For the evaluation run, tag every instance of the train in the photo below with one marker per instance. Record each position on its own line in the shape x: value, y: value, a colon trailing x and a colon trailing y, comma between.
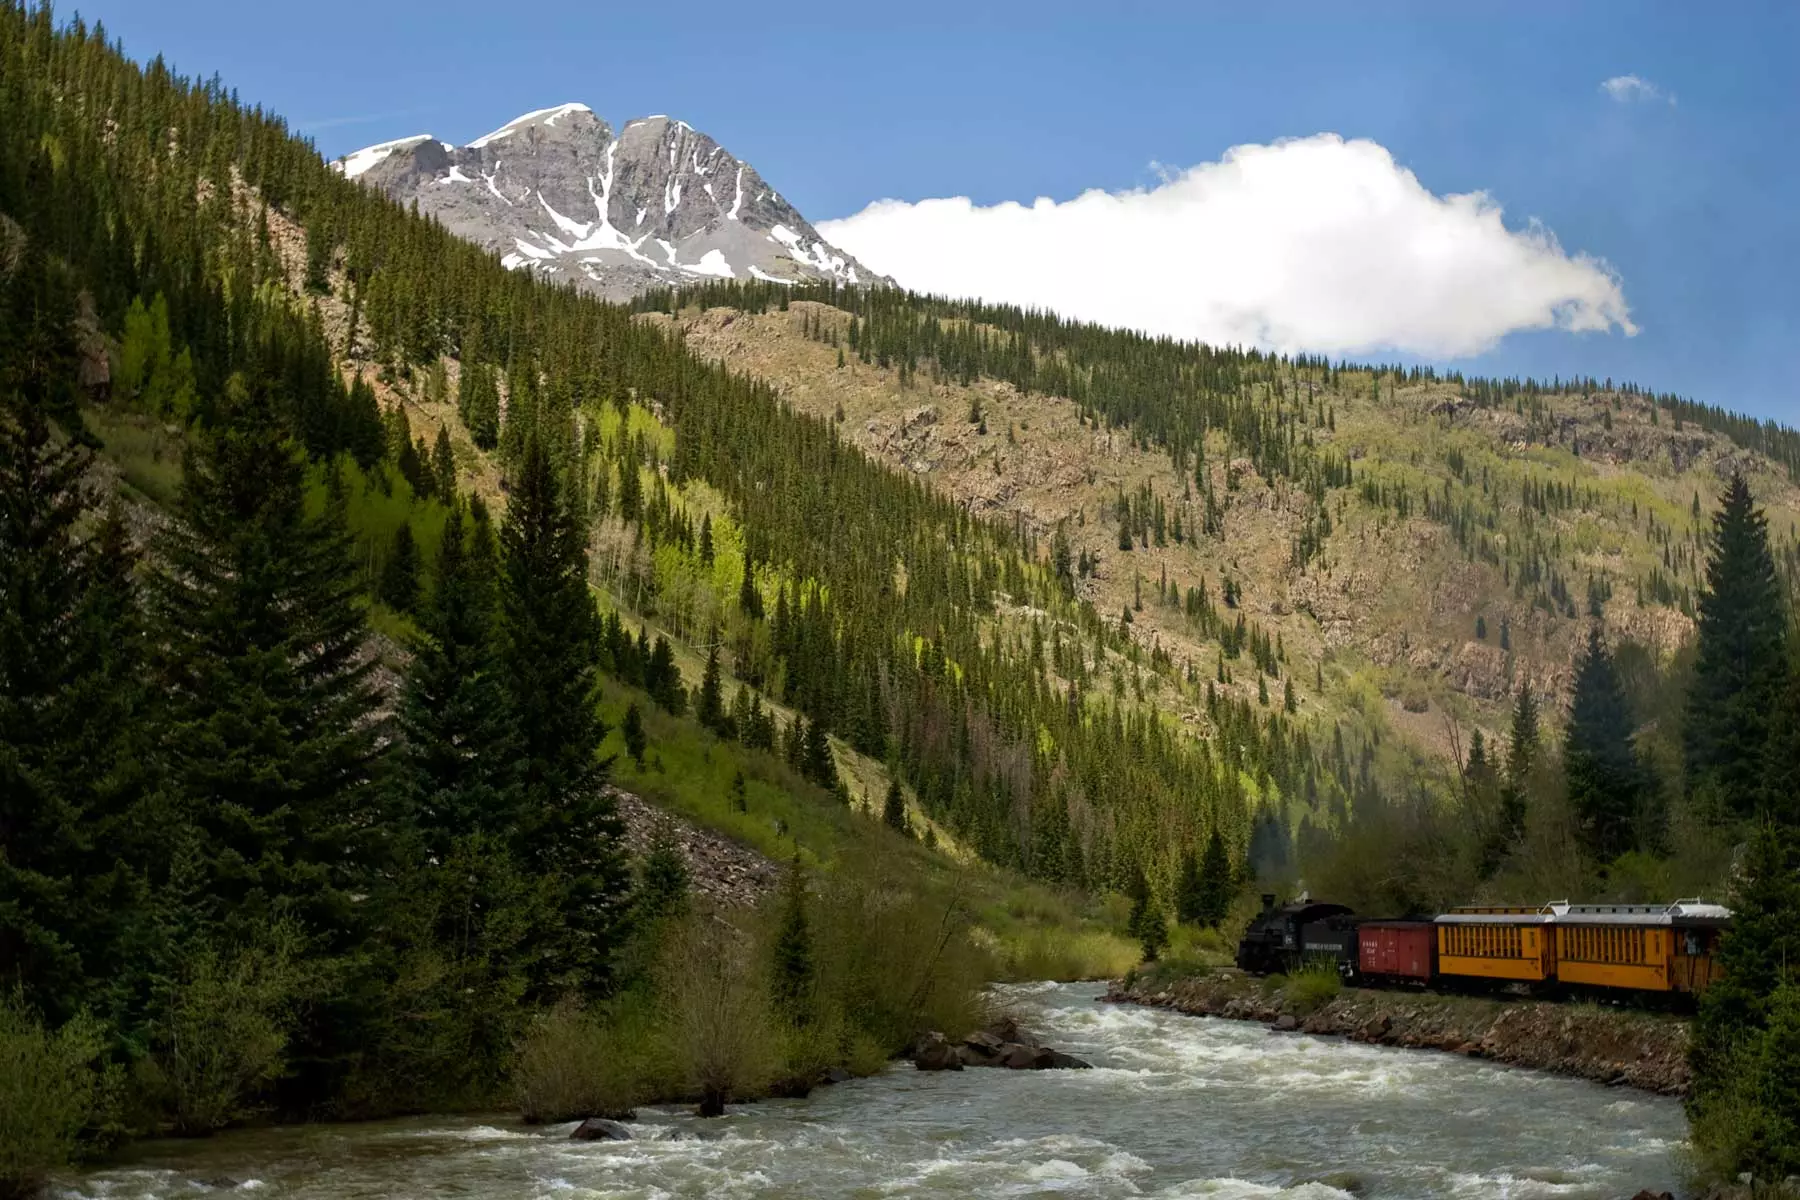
x: 1617, y: 950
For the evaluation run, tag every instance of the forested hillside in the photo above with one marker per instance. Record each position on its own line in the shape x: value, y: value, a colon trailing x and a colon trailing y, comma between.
x: 344, y: 566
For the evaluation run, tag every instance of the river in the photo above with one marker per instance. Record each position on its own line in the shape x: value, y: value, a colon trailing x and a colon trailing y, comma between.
x: 1177, y: 1106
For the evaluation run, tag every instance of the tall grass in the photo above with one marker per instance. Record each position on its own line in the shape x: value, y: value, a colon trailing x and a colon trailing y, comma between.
x: 1312, y: 988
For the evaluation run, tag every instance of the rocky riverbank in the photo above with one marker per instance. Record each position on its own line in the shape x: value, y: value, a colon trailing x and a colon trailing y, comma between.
x: 1590, y: 1041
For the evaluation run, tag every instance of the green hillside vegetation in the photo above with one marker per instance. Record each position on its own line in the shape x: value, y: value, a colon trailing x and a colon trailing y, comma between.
x: 1393, y: 553
x: 347, y: 571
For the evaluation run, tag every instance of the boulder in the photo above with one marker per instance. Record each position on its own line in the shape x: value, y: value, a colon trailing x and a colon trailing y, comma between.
x: 933, y: 1052
x: 1068, y: 1062
x: 985, y: 1041
x: 1017, y: 1057
x: 600, y: 1129
x: 836, y: 1075
x: 1286, y: 1023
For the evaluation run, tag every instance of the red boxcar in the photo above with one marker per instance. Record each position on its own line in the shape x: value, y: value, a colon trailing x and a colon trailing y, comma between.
x: 1399, y: 951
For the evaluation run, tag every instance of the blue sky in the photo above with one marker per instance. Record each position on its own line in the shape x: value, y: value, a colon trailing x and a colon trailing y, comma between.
x: 1687, y: 193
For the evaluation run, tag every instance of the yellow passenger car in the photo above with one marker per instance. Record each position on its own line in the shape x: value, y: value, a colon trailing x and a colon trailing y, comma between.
x: 1497, y: 945
x: 1639, y: 947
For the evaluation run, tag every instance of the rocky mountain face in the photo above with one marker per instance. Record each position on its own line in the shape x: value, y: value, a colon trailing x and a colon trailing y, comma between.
x: 556, y: 192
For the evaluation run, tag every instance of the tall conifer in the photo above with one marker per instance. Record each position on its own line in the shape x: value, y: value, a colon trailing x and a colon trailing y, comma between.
x: 1740, y: 658
x: 569, y: 830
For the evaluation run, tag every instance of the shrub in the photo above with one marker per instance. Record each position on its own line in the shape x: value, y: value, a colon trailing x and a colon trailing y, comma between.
x: 49, y: 1088
x: 723, y: 1036
x: 576, y: 1063
x: 221, y: 1037
x: 1312, y: 988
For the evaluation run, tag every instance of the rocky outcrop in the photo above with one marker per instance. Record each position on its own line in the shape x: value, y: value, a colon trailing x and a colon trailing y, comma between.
x: 1607, y: 1045
x: 724, y: 872
x: 1001, y: 1044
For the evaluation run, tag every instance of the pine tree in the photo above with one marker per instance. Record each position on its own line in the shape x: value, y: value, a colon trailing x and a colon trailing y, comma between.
x: 273, y: 739
x: 1146, y: 922
x: 893, y: 808
x: 399, y: 587
x: 443, y: 466
x: 1190, y: 903
x: 1741, y: 631
x: 816, y: 761
x: 1742, y: 1102
x: 1522, y: 754
x: 632, y: 728
x: 569, y: 832
x: 75, y: 842
x: 663, y: 880
x: 792, y: 973
x: 1605, y: 780
x: 662, y: 678
x: 1217, y: 887
x: 709, y: 707
x: 459, y: 742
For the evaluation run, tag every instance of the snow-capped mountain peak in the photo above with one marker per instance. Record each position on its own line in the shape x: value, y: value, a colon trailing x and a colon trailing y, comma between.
x: 660, y: 203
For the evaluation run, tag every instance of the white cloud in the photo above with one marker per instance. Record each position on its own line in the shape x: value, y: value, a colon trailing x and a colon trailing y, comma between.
x: 1316, y: 244
x: 1629, y: 89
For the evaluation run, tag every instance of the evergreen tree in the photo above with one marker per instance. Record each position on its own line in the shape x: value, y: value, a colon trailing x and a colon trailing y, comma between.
x: 792, y: 973
x: 663, y: 883
x: 632, y: 728
x: 460, y: 745
x: 1189, y: 901
x: 273, y: 738
x: 709, y: 707
x: 1217, y: 886
x: 893, y: 808
x: 662, y: 678
x: 76, y: 844
x: 1605, y: 781
x: 816, y: 760
x: 1742, y: 1103
x: 1146, y: 922
x: 443, y: 466
x: 399, y: 588
x: 569, y: 831
x: 1741, y: 630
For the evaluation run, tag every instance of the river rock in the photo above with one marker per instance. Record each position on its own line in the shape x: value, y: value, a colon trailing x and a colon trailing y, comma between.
x: 1017, y: 1057
x: 1286, y: 1023
x: 836, y: 1075
x: 1068, y: 1062
x: 986, y: 1041
x: 599, y: 1129
x: 1647, y: 1194
x: 933, y: 1052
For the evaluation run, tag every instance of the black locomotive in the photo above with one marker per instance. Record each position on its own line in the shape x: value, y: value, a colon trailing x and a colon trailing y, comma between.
x: 1281, y: 937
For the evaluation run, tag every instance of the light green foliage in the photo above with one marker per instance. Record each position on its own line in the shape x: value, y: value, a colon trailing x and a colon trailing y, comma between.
x: 222, y: 1033
x: 151, y: 371
x: 50, y: 1087
x: 1308, y: 990
x: 577, y: 1063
